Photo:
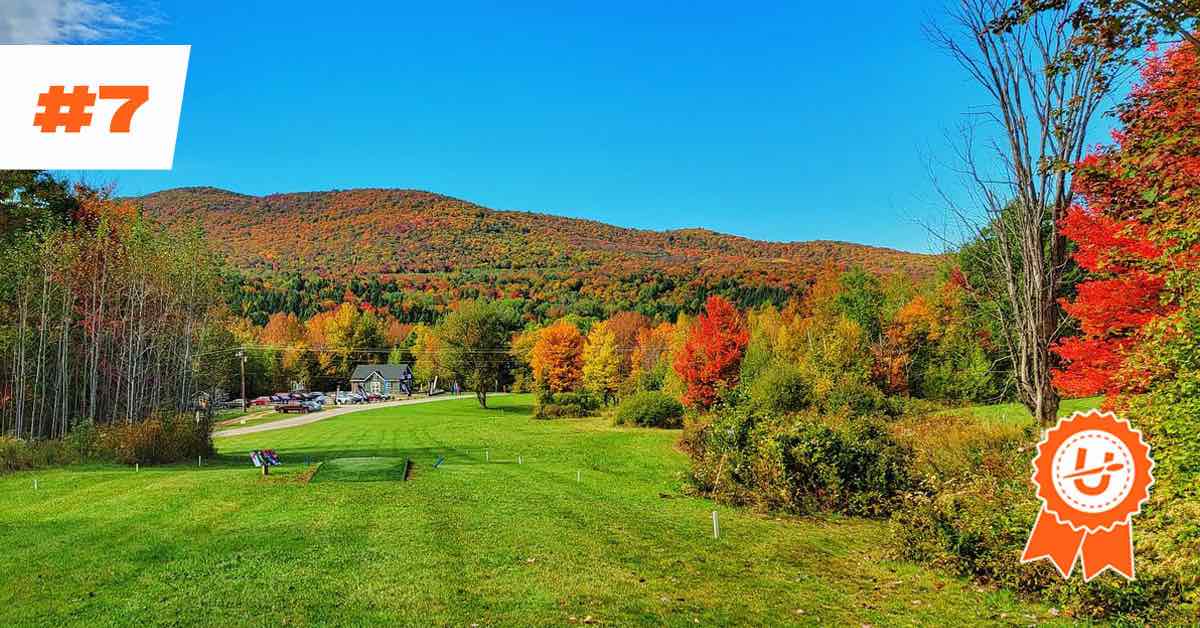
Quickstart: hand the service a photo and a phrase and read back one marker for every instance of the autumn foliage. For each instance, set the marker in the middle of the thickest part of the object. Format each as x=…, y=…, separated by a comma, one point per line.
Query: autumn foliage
x=712, y=356
x=1135, y=228
x=101, y=318
x=557, y=358
x=652, y=344
x=602, y=361
x=626, y=327
x=416, y=254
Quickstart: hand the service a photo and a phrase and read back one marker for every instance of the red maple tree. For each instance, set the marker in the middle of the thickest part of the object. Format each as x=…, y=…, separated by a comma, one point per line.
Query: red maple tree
x=710, y=359
x=1136, y=226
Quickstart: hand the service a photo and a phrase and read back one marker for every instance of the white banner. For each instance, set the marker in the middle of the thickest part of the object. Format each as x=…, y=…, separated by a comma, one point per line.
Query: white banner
x=90, y=107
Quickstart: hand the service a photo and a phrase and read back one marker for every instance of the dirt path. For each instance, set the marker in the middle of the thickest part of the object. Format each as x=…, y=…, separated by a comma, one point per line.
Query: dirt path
x=313, y=417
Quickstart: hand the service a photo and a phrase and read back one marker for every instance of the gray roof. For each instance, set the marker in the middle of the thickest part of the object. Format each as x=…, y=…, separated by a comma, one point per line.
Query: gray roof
x=389, y=372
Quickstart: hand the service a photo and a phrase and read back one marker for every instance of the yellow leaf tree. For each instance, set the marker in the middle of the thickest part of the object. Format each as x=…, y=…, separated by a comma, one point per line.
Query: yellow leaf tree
x=427, y=355
x=602, y=362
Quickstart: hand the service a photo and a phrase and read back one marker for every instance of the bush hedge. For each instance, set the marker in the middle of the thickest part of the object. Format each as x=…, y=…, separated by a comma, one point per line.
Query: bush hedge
x=157, y=440
x=565, y=405
x=18, y=455
x=974, y=508
x=798, y=463
x=780, y=388
x=856, y=398
x=650, y=409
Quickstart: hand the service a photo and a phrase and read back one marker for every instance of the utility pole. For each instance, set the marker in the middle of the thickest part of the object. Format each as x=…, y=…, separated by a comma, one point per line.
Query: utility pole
x=241, y=353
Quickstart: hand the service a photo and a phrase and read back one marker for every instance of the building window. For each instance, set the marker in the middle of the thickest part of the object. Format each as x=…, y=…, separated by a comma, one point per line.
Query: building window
x=374, y=386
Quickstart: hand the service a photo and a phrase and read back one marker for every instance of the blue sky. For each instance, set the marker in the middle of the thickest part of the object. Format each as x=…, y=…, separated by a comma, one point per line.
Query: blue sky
x=779, y=121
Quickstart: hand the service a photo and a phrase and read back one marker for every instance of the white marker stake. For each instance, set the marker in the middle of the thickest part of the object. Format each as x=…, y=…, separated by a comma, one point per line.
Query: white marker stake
x=35, y=484
x=577, y=475
x=519, y=460
x=137, y=466
x=487, y=455
x=199, y=461
x=716, y=526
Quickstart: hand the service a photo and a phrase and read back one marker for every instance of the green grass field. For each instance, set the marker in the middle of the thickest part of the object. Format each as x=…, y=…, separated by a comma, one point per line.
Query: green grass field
x=483, y=540
x=252, y=414
x=1016, y=413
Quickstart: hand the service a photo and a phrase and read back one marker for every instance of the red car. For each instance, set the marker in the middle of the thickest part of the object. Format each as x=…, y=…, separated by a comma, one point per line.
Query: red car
x=260, y=401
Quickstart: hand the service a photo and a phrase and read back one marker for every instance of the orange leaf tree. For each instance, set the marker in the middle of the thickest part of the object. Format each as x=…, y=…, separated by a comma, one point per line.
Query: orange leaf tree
x=712, y=356
x=625, y=328
x=557, y=358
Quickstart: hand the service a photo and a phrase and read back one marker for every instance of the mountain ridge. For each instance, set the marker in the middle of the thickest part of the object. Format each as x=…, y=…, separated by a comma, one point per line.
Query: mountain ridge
x=432, y=243
x=155, y=202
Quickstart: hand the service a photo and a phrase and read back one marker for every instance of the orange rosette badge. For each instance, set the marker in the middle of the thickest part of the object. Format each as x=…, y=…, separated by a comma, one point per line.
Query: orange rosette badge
x=1092, y=473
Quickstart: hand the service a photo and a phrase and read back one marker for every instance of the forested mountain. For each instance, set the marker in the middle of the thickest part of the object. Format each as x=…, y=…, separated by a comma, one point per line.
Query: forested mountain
x=415, y=252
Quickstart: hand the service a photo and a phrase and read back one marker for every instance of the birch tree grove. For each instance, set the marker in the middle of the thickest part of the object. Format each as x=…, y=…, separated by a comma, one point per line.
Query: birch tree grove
x=102, y=320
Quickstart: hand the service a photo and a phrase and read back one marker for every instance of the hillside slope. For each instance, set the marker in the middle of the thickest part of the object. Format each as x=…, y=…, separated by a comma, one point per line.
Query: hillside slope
x=428, y=243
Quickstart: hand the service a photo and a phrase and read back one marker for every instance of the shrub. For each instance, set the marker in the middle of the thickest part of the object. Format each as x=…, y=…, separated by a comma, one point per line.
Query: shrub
x=974, y=509
x=652, y=378
x=977, y=527
x=157, y=440
x=974, y=527
x=565, y=405
x=84, y=440
x=952, y=445
x=165, y=439
x=650, y=409
x=13, y=454
x=856, y=398
x=18, y=455
x=798, y=463
x=853, y=466
x=780, y=388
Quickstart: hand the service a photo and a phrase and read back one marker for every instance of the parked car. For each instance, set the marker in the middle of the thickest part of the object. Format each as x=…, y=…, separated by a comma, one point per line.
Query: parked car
x=261, y=401
x=347, y=398
x=312, y=405
x=374, y=397
x=293, y=406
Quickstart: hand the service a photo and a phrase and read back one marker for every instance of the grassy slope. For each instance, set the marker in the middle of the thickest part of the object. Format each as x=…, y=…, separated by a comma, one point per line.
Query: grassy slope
x=487, y=542
x=1016, y=413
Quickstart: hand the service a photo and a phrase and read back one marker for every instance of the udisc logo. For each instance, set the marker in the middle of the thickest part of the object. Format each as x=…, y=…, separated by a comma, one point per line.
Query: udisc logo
x=1093, y=472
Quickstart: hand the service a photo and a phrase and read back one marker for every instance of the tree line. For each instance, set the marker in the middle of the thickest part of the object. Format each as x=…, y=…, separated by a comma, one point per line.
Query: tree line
x=106, y=317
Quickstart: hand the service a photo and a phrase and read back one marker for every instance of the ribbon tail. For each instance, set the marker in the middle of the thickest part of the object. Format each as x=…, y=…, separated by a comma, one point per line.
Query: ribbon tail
x=1109, y=550
x=1053, y=540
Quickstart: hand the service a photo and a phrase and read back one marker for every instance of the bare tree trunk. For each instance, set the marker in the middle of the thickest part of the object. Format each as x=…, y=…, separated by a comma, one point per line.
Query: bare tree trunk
x=63, y=375
x=1041, y=110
